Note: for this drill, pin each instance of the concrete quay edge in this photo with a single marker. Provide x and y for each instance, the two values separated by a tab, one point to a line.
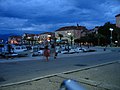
90	82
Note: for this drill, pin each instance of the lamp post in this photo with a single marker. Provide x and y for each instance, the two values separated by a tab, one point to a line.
111	29
29	39
49	38
69	34
70	38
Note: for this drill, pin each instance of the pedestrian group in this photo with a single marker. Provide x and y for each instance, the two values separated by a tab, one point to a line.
50	52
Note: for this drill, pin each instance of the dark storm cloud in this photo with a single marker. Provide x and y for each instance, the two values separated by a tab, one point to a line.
51	14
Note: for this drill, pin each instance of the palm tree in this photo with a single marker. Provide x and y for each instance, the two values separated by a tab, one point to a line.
24	38
71	39
60	36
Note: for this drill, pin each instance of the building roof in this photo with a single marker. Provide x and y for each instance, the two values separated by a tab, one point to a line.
47	33
71	28
15	36
31	35
117	15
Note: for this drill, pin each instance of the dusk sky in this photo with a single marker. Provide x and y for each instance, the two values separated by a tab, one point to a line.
49	15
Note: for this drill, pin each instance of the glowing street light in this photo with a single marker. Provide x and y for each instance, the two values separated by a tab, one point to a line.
111	29
69	33
71	37
49	35
49	38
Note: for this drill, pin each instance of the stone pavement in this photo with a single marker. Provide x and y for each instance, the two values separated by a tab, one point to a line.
99	77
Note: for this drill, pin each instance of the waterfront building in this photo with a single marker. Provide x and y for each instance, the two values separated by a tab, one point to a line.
46	37
70	33
118	20
30	39
33	39
15	40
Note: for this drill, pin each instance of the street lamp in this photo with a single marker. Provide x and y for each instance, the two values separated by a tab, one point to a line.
29	39
69	34
70	37
49	38
111	29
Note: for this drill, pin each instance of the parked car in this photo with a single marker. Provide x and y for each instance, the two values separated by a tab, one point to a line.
79	49
37	51
20	50
70	51
40	52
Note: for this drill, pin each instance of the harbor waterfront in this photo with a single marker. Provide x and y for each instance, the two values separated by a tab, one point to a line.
59	45
87	68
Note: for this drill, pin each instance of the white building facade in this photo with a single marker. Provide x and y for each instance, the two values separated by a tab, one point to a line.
75	32
118	20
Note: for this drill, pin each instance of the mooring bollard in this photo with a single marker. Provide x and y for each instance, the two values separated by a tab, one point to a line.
71	85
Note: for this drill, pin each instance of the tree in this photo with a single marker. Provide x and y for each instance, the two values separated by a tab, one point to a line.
71	39
100	39
105	31
60	36
24	38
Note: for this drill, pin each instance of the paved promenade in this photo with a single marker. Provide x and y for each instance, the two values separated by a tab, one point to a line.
99	77
104	76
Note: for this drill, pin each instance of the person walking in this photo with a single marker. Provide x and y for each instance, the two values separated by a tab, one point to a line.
46	53
53	51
